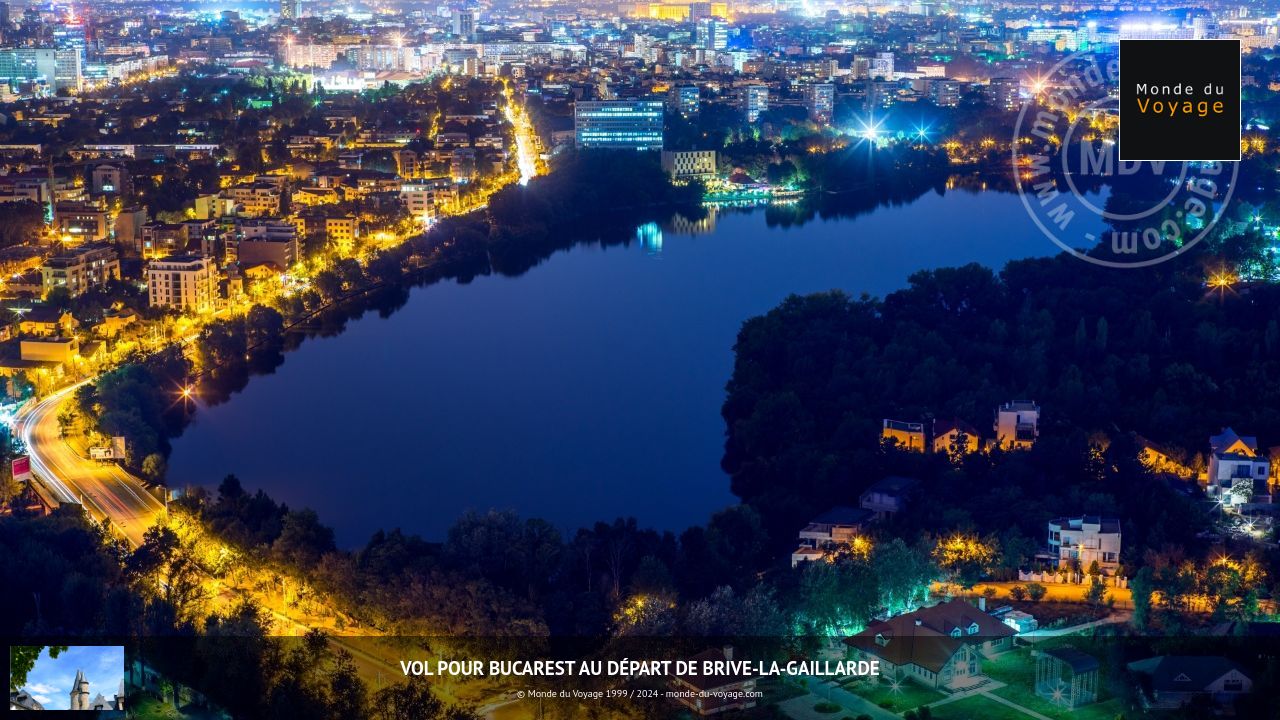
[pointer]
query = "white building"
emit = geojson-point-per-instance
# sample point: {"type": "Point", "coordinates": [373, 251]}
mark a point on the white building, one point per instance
{"type": "Point", "coordinates": [1017, 425]}
{"type": "Point", "coordinates": [184, 282]}
{"type": "Point", "coordinates": [836, 528]}
{"type": "Point", "coordinates": [1237, 471]}
{"type": "Point", "coordinates": [690, 164]}
{"type": "Point", "coordinates": [1086, 539]}
{"type": "Point", "coordinates": [256, 199]}
{"type": "Point", "coordinates": [820, 101]}
{"type": "Point", "coordinates": [755, 100]}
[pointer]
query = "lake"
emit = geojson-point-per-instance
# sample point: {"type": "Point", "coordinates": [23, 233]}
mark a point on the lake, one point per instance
{"type": "Point", "coordinates": [586, 389]}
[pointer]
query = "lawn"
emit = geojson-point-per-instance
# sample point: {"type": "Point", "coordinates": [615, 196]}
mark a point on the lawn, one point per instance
{"type": "Point", "coordinates": [977, 707]}
{"type": "Point", "coordinates": [909, 695]}
{"type": "Point", "coordinates": [1017, 670]}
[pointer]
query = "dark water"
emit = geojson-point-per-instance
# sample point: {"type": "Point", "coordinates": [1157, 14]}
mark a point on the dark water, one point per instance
{"type": "Point", "coordinates": [586, 389]}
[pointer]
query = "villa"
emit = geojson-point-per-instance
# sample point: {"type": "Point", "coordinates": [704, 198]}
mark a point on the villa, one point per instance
{"type": "Point", "coordinates": [941, 647]}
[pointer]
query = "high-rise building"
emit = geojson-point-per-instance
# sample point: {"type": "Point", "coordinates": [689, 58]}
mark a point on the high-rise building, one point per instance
{"type": "Point", "coordinates": [618, 124]}
{"type": "Point", "coordinates": [699, 10]}
{"type": "Point", "coordinates": [1003, 92]}
{"type": "Point", "coordinates": [464, 24]}
{"type": "Point", "coordinates": [820, 101]}
{"type": "Point", "coordinates": [290, 9]}
{"type": "Point", "coordinates": [755, 100]}
{"type": "Point", "coordinates": [36, 67]}
{"type": "Point", "coordinates": [882, 65]}
{"type": "Point", "coordinates": [712, 34]}
{"type": "Point", "coordinates": [183, 282]}
{"type": "Point", "coordinates": [684, 99]}
{"type": "Point", "coordinates": [69, 69]}
{"type": "Point", "coordinates": [944, 92]}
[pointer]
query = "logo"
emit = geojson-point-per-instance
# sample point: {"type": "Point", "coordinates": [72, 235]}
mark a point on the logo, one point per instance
{"type": "Point", "coordinates": [1069, 174]}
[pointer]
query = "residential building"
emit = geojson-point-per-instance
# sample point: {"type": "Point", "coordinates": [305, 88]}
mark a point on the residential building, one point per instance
{"type": "Point", "coordinates": [110, 180]}
{"type": "Point", "coordinates": [820, 101]}
{"type": "Point", "coordinates": [1003, 93]}
{"type": "Point", "coordinates": [163, 239]}
{"type": "Point", "coordinates": [944, 92]}
{"type": "Point", "coordinates": [618, 124]}
{"type": "Point", "coordinates": [80, 269]}
{"type": "Point", "coordinates": [47, 321]}
{"type": "Point", "coordinates": [940, 647]}
{"type": "Point", "coordinates": [264, 241]}
{"type": "Point", "coordinates": [755, 100]}
{"type": "Point", "coordinates": [81, 222]}
{"type": "Point", "coordinates": [882, 66]}
{"type": "Point", "coordinates": [1017, 425]}
{"type": "Point", "coordinates": [907, 435]}
{"type": "Point", "coordinates": [836, 529]}
{"type": "Point", "coordinates": [1237, 473]}
{"type": "Point", "coordinates": [342, 231]}
{"type": "Point", "coordinates": [1078, 542]}
{"type": "Point", "coordinates": [188, 283]}
{"type": "Point", "coordinates": [711, 694]}
{"type": "Point", "coordinates": [684, 100]}
{"type": "Point", "coordinates": [888, 495]}
{"type": "Point", "coordinates": [421, 197]}
{"type": "Point", "coordinates": [290, 9]}
{"type": "Point", "coordinates": [1176, 680]}
{"type": "Point", "coordinates": [690, 164]}
{"type": "Point", "coordinates": [463, 24]}
{"type": "Point", "coordinates": [255, 199]}
{"type": "Point", "coordinates": [955, 436]}
{"type": "Point", "coordinates": [61, 350]}
{"type": "Point", "coordinates": [128, 227]}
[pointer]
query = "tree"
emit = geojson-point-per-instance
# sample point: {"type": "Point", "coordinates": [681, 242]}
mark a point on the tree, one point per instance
{"type": "Point", "coordinates": [303, 540]}
{"type": "Point", "coordinates": [154, 467]}
{"type": "Point", "coordinates": [348, 696]}
{"type": "Point", "coordinates": [1036, 591]}
{"type": "Point", "coordinates": [1141, 587]}
{"type": "Point", "coordinates": [1097, 593]}
{"type": "Point", "coordinates": [22, 658]}
{"type": "Point", "coordinates": [903, 575]}
{"type": "Point", "coordinates": [966, 557]}
{"type": "Point", "coordinates": [9, 488]}
{"type": "Point", "coordinates": [407, 701]}
{"type": "Point", "coordinates": [837, 598]}
{"type": "Point", "coordinates": [20, 222]}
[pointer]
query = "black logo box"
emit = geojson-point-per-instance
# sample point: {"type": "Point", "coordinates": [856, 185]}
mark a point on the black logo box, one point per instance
{"type": "Point", "coordinates": [1181, 137]}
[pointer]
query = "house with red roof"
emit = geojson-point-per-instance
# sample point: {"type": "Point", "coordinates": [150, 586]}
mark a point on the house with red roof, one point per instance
{"type": "Point", "coordinates": [940, 647]}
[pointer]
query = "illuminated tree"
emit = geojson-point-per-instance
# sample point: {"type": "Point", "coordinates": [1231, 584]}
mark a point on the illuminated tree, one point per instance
{"type": "Point", "coordinates": [965, 557]}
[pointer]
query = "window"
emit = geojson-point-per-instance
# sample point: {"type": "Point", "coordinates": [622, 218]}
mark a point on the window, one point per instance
{"type": "Point", "coordinates": [1233, 685]}
{"type": "Point", "coordinates": [955, 632]}
{"type": "Point", "coordinates": [973, 629]}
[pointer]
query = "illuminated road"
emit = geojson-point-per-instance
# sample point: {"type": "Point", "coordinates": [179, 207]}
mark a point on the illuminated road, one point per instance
{"type": "Point", "coordinates": [110, 494]}
{"type": "Point", "coordinates": [121, 501]}
{"type": "Point", "coordinates": [526, 140]}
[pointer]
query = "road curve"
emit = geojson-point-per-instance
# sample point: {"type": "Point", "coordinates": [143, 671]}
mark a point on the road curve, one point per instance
{"type": "Point", "coordinates": [111, 495]}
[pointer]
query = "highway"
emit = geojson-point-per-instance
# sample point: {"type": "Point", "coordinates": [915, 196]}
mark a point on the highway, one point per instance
{"type": "Point", "coordinates": [120, 501]}
{"type": "Point", "coordinates": [111, 495]}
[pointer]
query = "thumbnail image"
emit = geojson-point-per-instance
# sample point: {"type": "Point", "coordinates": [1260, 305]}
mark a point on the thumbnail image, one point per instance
{"type": "Point", "coordinates": [67, 677]}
